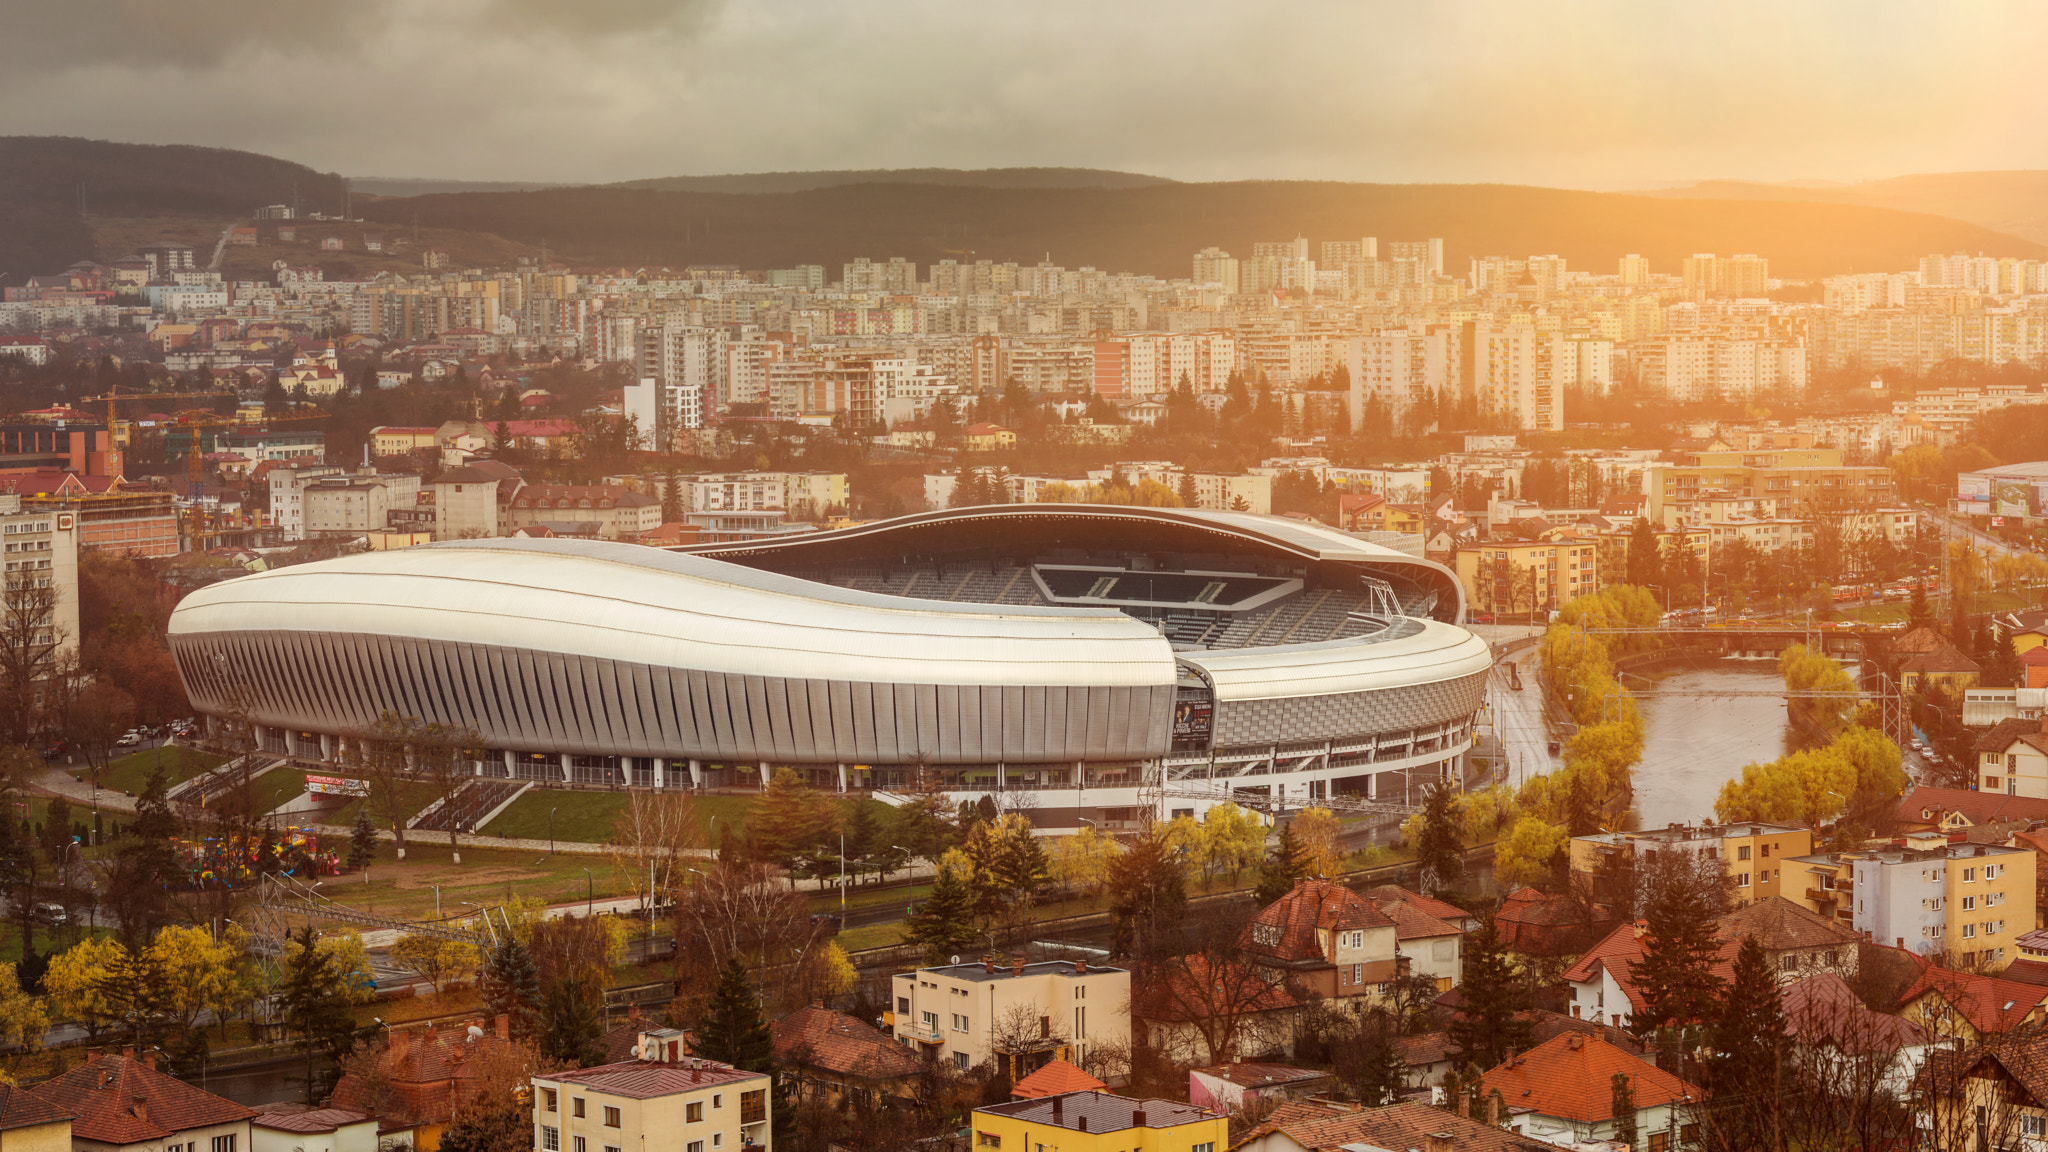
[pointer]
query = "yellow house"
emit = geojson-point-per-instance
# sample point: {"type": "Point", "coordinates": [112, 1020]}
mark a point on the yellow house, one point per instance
{"type": "Point", "coordinates": [392, 440]}
{"type": "Point", "coordinates": [1605, 863]}
{"type": "Point", "coordinates": [1098, 1122]}
{"type": "Point", "coordinates": [987, 438]}
{"type": "Point", "coordinates": [1527, 575]}
{"type": "Point", "coordinates": [684, 1104]}
{"type": "Point", "coordinates": [31, 1124]}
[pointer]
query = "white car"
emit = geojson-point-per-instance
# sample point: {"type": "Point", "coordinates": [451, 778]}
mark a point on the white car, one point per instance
{"type": "Point", "coordinates": [128, 739]}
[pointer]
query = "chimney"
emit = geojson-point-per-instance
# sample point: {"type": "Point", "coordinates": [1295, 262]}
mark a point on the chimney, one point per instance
{"type": "Point", "coordinates": [1082, 1120]}
{"type": "Point", "coordinates": [988, 964]}
{"type": "Point", "coordinates": [696, 1072]}
{"type": "Point", "coordinates": [1017, 967]}
{"type": "Point", "coordinates": [142, 1108]}
{"type": "Point", "coordinates": [1137, 1117]}
{"type": "Point", "coordinates": [401, 1044]}
{"type": "Point", "coordinates": [93, 1056]}
{"type": "Point", "coordinates": [1438, 1142]}
{"type": "Point", "coordinates": [149, 1060]}
{"type": "Point", "coordinates": [502, 1024]}
{"type": "Point", "coordinates": [1056, 1109]}
{"type": "Point", "coordinates": [1080, 967]}
{"type": "Point", "coordinates": [128, 1051]}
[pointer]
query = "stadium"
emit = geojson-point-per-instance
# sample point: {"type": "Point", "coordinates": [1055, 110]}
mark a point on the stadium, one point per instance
{"type": "Point", "coordinates": [1086, 662]}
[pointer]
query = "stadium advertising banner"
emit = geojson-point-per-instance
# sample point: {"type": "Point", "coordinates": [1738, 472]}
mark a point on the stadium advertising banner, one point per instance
{"type": "Point", "coordinates": [337, 786]}
{"type": "Point", "coordinates": [2013, 496]}
{"type": "Point", "coordinates": [1974, 487]}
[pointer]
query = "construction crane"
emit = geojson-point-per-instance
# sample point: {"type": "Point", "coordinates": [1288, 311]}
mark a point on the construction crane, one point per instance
{"type": "Point", "coordinates": [192, 525]}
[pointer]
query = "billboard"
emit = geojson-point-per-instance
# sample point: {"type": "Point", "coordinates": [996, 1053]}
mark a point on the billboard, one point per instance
{"type": "Point", "coordinates": [1974, 487]}
{"type": "Point", "coordinates": [2012, 496]}
{"type": "Point", "coordinates": [337, 786]}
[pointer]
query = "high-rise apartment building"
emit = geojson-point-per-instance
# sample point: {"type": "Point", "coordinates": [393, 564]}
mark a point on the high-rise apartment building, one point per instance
{"type": "Point", "coordinates": [682, 364]}
{"type": "Point", "coordinates": [1635, 269]}
{"type": "Point", "coordinates": [1429, 254]}
{"type": "Point", "coordinates": [1215, 266]}
{"type": "Point", "coordinates": [1727, 275]}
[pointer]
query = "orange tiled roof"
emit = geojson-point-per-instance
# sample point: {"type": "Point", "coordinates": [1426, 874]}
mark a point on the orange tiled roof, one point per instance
{"type": "Point", "coordinates": [1311, 906]}
{"type": "Point", "coordinates": [1055, 1078]}
{"type": "Point", "coordinates": [1992, 1006]}
{"type": "Point", "coordinates": [838, 1043]}
{"type": "Point", "coordinates": [1571, 1077]}
{"type": "Point", "coordinates": [121, 1100]}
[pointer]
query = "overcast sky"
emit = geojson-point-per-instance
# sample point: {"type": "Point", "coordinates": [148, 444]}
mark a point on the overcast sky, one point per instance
{"type": "Point", "coordinates": [1589, 94]}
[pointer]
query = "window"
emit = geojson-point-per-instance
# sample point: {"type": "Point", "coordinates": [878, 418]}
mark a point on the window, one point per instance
{"type": "Point", "coordinates": [1992, 871]}
{"type": "Point", "coordinates": [1205, 1146]}
{"type": "Point", "coordinates": [224, 1143]}
{"type": "Point", "coordinates": [1742, 853]}
{"type": "Point", "coordinates": [1993, 899]}
{"type": "Point", "coordinates": [1969, 875]}
{"type": "Point", "coordinates": [695, 1146]}
{"type": "Point", "coordinates": [717, 1101]}
{"type": "Point", "coordinates": [550, 1139]}
{"type": "Point", "coordinates": [987, 1140]}
{"type": "Point", "coordinates": [611, 1116]}
{"type": "Point", "coordinates": [547, 1096]}
{"type": "Point", "coordinates": [960, 1061]}
{"type": "Point", "coordinates": [1969, 903]}
{"type": "Point", "coordinates": [718, 1139]}
{"type": "Point", "coordinates": [1969, 931]}
{"type": "Point", "coordinates": [576, 1144]}
{"type": "Point", "coordinates": [931, 1023]}
{"type": "Point", "coordinates": [1657, 1141]}
{"type": "Point", "coordinates": [693, 1112]}
{"type": "Point", "coordinates": [903, 1005]}
{"type": "Point", "coordinates": [1742, 879]}
{"type": "Point", "coordinates": [575, 1105]}
{"type": "Point", "coordinates": [1791, 963]}
{"type": "Point", "coordinates": [1358, 973]}
{"type": "Point", "coordinates": [1080, 991]}
{"type": "Point", "coordinates": [1767, 852]}
{"type": "Point", "coordinates": [1080, 1021]}
{"type": "Point", "coordinates": [1993, 927]}
{"type": "Point", "coordinates": [2034, 1125]}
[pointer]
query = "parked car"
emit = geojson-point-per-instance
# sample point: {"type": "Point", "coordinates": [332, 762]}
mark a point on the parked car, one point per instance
{"type": "Point", "coordinates": [51, 913]}
{"type": "Point", "coordinates": [128, 739]}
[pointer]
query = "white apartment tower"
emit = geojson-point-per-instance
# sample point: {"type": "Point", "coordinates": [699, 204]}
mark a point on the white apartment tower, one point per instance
{"type": "Point", "coordinates": [684, 364]}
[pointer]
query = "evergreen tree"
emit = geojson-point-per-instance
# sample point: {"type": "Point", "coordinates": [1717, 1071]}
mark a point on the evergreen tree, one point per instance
{"type": "Point", "coordinates": [1286, 863]}
{"type": "Point", "coordinates": [1676, 970]}
{"type": "Point", "coordinates": [570, 1030]}
{"type": "Point", "coordinates": [793, 821]}
{"type": "Point", "coordinates": [1622, 1099]}
{"type": "Point", "coordinates": [733, 1032]}
{"type": "Point", "coordinates": [138, 890]}
{"type": "Point", "coordinates": [1748, 1040]}
{"type": "Point", "coordinates": [1368, 1063]}
{"type": "Point", "coordinates": [56, 829]}
{"type": "Point", "coordinates": [1149, 898]}
{"type": "Point", "coordinates": [510, 985]}
{"type": "Point", "coordinates": [1919, 613]}
{"type": "Point", "coordinates": [1189, 497]}
{"type": "Point", "coordinates": [362, 840]}
{"type": "Point", "coordinates": [1645, 562]}
{"type": "Point", "coordinates": [1439, 849]}
{"type": "Point", "coordinates": [312, 1001]}
{"type": "Point", "coordinates": [671, 498]}
{"type": "Point", "coordinates": [943, 922]}
{"type": "Point", "coordinates": [1493, 1019]}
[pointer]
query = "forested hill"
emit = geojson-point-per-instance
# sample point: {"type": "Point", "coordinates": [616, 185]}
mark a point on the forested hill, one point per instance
{"type": "Point", "coordinates": [1155, 229]}
{"type": "Point", "coordinates": [961, 177]}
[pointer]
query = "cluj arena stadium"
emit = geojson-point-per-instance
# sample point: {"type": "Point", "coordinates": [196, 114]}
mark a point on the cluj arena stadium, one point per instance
{"type": "Point", "coordinates": [1084, 662]}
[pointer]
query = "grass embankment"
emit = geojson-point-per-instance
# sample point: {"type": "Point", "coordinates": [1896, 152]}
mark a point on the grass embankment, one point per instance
{"type": "Point", "coordinates": [487, 876]}
{"type": "Point", "coordinates": [130, 773]}
{"type": "Point", "coordinates": [587, 817]}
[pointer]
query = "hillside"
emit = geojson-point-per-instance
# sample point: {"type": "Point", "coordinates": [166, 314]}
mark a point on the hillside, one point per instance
{"type": "Point", "coordinates": [42, 178]}
{"type": "Point", "coordinates": [2015, 202]}
{"type": "Point", "coordinates": [426, 186]}
{"type": "Point", "coordinates": [955, 177]}
{"type": "Point", "coordinates": [1156, 228]}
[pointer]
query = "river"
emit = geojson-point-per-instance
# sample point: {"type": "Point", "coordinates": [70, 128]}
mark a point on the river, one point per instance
{"type": "Point", "coordinates": [1692, 744]}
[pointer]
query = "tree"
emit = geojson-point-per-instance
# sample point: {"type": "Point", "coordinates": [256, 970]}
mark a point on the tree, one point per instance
{"type": "Point", "coordinates": [943, 922]}
{"type": "Point", "coordinates": [1494, 1018]}
{"type": "Point", "coordinates": [362, 840]}
{"type": "Point", "coordinates": [76, 983]}
{"type": "Point", "coordinates": [30, 640]}
{"type": "Point", "coordinates": [1438, 850]}
{"type": "Point", "coordinates": [1645, 563]}
{"type": "Point", "coordinates": [1528, 854]}
{"type": "Point", "coordinates": [1676, 969]}
{"type": "Point", "coordinates": [1233, 839]}
{"type": "Point", "coordinates": [509, 984]}
{"type": "Point", "coordinates": [1081, 862]}
{"type": "Point", "coordinates": [1318, 830]}
{"type": "Point", "coordinates": [1367, 1061]}
{"type": "Point", "coordinates": [1622, 1100]}
{"type": "Point", "coordinates": [731, 1030]}
{"type": "Point", "coordinates": [571, 1031]}
{"type": "Point", "coordinates": [1149, 897]}
{"type": "Point", "coordinates": [792, 821]}
{"type": "Point", "coordinates": [434, 959]}
{"type": "Point", "coordinates": [1286, 863]}
{"type": "Point", "coordinates": [653, 841]}
{"type": "Point", "coordinates": [314, 1002]}
{"type": "Point", "coordinates": [146, 866]}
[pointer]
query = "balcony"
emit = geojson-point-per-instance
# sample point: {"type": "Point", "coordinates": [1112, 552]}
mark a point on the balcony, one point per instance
{"type": "Point", "coordinates": [920, 1033]}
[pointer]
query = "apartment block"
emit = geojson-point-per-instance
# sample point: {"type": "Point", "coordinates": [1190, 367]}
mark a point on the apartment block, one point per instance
{"type": "Point", "coordinates": [684, 1103]}
{"type": "Point", "coordinates": [1753, 855]}
{"type": "Point", "coordinates": [1928, 896]}
{"type": "Point", "coordinates": [1503, 575]}
{"type": "Point", "coordinates": [1020, 1015]}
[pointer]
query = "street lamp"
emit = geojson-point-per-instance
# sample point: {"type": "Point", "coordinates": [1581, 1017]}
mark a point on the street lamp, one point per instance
{"type": "Point", "coordinates": [589, 892]}
{"type": "Point", "coordinates": [551, 831]}
{"type": "Point", "coordinates": [437, 900]}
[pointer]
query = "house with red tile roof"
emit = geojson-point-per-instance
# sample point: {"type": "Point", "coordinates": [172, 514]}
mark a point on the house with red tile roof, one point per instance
{"type": "Point", "coordinates": [1562, 1092]}
{"type": "Point", "coordinates": [1833, 1029]}
{"type": "Point", "coordinates": [1233, 1087]}
{"type": "Point", "coordinates": [1543, 924]}
{"type": "Point", "coordinates": [1796, 943]}
{"type": "Point", "coordinates": [30, 1123]}
{"type": "Point", "coordinates": [1450, 914]}
{"type": "Point", "coordinates": [1954, 809]}
{"type": "Point", "coordinates": [297, 1128]}
{"type": "Point", "coordinates": [672, 1098]}
{"type": "Point", "coordinates": [833, 1056]}
{"type": "Point", "coordinates": [426, 1072]}
{"type": "Point", "coordinates": [2013, 756]}
{"type": "Point", "coordinates": [1056, 1078]}
{"type": "Point", "coordinates": [1309, 1126]}
{"type": "Point", "coordinates": [121, 1102]}
{"type": "Point", "coordinates": [1432, 947]}
{"type": "Point", "coordinates": [1948, 1003]}
{"type": "Point", "coordinates": [1326, 940]}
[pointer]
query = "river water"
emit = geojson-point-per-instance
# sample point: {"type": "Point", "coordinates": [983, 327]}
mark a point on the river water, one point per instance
{"type": "Point", "coordinates": [1692, 744]}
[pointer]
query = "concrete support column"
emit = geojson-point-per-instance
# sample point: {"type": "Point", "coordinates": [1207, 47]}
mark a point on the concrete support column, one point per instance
{"type": "Point", "coordinates": [510, 769]}
{"type": "Point", "coordinates": [291, 742]}
{"type": "Point", "coordinates": [842, 777]}
{"type": "Point", "coordinates": [660, 772]}
{"type": "Point", "coordinates": [326, 746]}
{"type": "Point", "coordinates": [566, 776]}
{"type": "Point", "coordinates": [696, 773]}
{"type": "Point", "coordinates": [764, 775]}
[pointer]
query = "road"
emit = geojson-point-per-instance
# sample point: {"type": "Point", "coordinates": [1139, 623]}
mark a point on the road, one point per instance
{"type": "Point", "coordinates": [1517, 716]}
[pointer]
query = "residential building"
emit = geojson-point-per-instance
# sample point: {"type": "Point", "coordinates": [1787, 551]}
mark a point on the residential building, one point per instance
{"type": "Point", "coordinates": [418, 1077]}
{"type": "Point", "coordinates": [833, 1057]}
{"type": "Point", "coordinates": [1222, 491]}
{"type": "Point", "coordinates": [392, 440]}
{"type": "Point", "coordinates": [1312, 1126]}
{"type": "Point", "coordinates": [1056, 1078]}
{"type": "Point", "coordinates": [296, 1128]}
{"type": "Point", "coordinates": [1797, 942]}
{"type": "Point", "coordinates": [288, 494]}
{"type": "Point", "coordinates": [29, 1123]}
{"type": "Point", "coordinates": [1946, 665]}
{"type": "Point", "coordinates": [680, 368]}
{"type": "Point", "coordinates": [620, 512]}
{"type": "Point", "coordinates": [1802, 483]}
{"type": "Point", "coordinates": [1201, 1010]}
{"type": "Point", "coordinates": [680, 1101]}
{"type": "Point", "coordinates": [352, 504]}
{"type": "Point", "coordinates": [1098, 1122]}
{"type": "Point", "coordinates": [1232, 1087]}
{"type": "Point", "coordinates": [2013, 758]}
{"type": "Point", "coordinates": [465, 503]}
{"type": "Point", "coordinates": [1835, 1031]}
{"type": "Point", "coordinates": [1325, 940]}
{"type": "Point", "coordinates": [1018, 1015]}
{"type": "Point", "coordinates": [1505, 575]}
{"type": "Point", "coordinates": [121, 1103]}
{"type": "Point", "coordinates": [1604, 864]}
{"type": "Point", "coordinates": [1991, 1095]}
{"type": "Point", "coordinates": [1929, 896]}
{"type": "Point", "coordinates": [987, 438]}
{"type": "Point", "coordinates": [1562, 1092]}
{"type": "Point", "coordinates": [1950, 1004]}
{"type": "Point", "coordinates": [1949, 811]}
{"type": "Point", "coordinates": [42, 552]}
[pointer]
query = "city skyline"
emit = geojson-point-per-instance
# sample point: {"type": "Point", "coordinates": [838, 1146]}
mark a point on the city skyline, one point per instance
{"type": "Point", "coordinates": [1594, 95]}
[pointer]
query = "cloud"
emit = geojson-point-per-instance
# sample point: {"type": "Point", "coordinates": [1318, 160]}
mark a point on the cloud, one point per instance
{"type": "Point", "coordinates": [1581, 92]}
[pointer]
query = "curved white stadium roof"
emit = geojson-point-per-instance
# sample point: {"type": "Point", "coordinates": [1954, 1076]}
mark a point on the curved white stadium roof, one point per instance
{"type": "Point", "coordinates": [1413, 652]}
{"type": "Point", "coordinates": [647, 606]}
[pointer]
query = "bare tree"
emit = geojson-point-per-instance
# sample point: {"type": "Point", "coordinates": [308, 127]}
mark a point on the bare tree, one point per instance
{"type": "Point", "coordinates": [653, 841]}
{"type": "Point", "coordinates": [747, 912]}
{"type": "Point", "coordinates": [30, 640]}
{"type": "Point", "coordinates": [443, 762]}
{"type": "Point", "coordinates": [383, 755]}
